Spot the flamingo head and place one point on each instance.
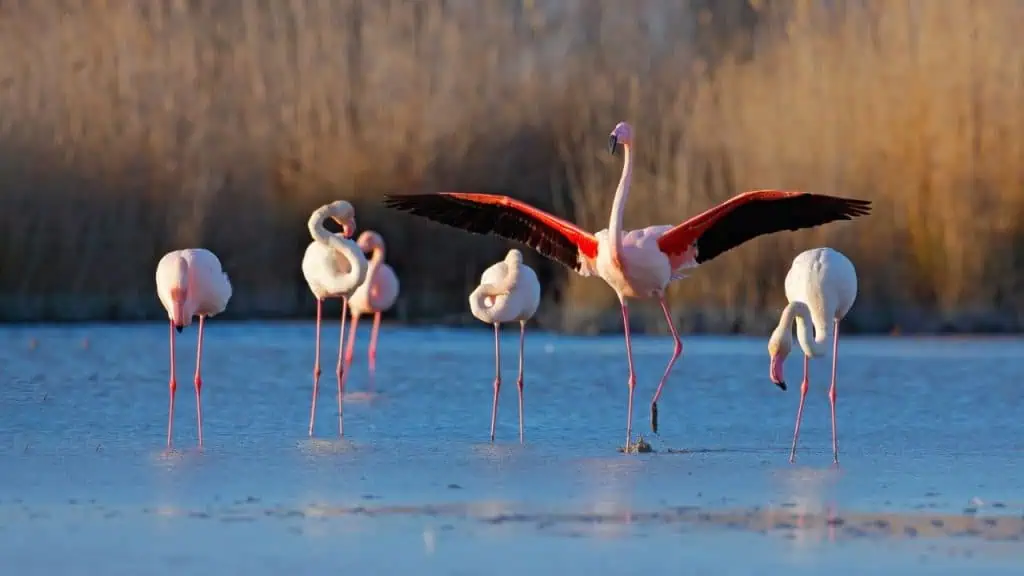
(779, 346)
(345, 215)
(622, 134)
(369, 241)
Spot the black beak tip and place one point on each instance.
(612, 143)
(781, 385)
(179, 328)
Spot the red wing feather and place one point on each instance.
(756, 213)
(505, 217)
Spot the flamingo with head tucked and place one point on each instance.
(375, 295)
(333, 266)
(190, 282)
(635, 263)
(508, 292)
(821, 286)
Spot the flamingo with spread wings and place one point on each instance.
(635, 263)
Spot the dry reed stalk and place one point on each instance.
(132, 128)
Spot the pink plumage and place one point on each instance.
(190, 282)
(377, 294)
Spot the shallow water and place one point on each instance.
(931, 439)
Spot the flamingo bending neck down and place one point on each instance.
(508, 292)
(635, 263)
(333, 267)
(190, 282)
(375, 295)
(821, 286)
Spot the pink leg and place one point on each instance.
(174, 388)
(519, 381)
(497, 376)
(341, 367)
(632, 374)
(316, 365)
(351, 348)
(676, 352)
(804, 385)
(199, 380)
(832, 391)
(373, 342)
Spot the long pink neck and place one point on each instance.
(619, 204)
(376, 259)
(377, 255)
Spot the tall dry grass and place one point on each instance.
(131, 128)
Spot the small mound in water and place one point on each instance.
(638, 447)
(360, 396)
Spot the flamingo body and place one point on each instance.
(375, 295)
(638, 263)
(517, 305)
(327, 272)
(821, 287)
(333, 266)
(198, 271)
(508, 292)
(826, 281)
(379, 290)
(190, 282)
(643, 270)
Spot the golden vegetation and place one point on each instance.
(131, 128)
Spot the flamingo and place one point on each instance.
(821, 286)
(333, 267)
(190, 282)
(637, 263)
(375, 295)
(508, 292)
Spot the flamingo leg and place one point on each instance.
(173, 389)
(832, 391)
(497, 376)
(519, 381)
(351, 346)
(341, 368)
(632, 373)
(372, 354)
(804, 385)
(199, 379)
(316, 365)
(350, 349)
(677, 350)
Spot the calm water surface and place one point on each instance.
(931, 439)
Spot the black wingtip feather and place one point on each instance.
(761, 217)
(489, 219)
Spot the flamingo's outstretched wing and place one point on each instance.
(752, 214)
(506, 217)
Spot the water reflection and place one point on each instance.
(807, 506)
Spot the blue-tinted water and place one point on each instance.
(931, 440)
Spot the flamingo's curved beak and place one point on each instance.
(178, 309)
(775, 372)
(613, 141)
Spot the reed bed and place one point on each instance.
(128, 129)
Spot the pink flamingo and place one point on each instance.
(508, 292)
(635, 263)
(821, 286)
(333, 266)
(189, 283)
(375, 295)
